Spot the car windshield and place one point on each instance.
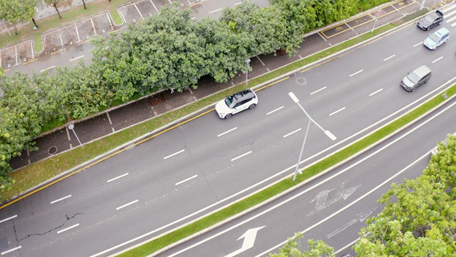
(435, 37)
(413, 77)
(229, 101)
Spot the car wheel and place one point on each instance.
(252, 106)
(428, 28)
(228, 116)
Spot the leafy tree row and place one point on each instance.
(164, 51)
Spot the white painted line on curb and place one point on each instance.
(181, 151)
(43, 70)
(387, 58)
(356, 73)
(125, 205)
(79, 57)
(226, 132)
(121, 176)
(10, 218)
(61, 199)
(273, 111)
(68, 228)
(341, 109)
(185, 180)
(291, 133)
(215, 10)
(316, 91)
(438, 59)
(371, 94)
(10, 250)
(240, 156)
(417, 44)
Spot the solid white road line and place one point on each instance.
(449, 8)
(10, 250)
(273, 111)
(454, 24)
(63, 198)
(451, 19)
(185, 180)
(43, 70)
(238, 3)
(63, 230)
(316, 91)
(387, 58)
(126, 174)
(348, 245)
(79, 57)
(10, 218)
(371, 94)
(215, 10)
(181, 151)
(420, 43)
(242, 155)
(438, 59)
(341, 109)
(356, 73)
(226, 132)
(291, 133)
(125, 205)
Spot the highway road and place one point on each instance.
(333, 207)
(207, 163)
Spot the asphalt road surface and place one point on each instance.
(207, 163)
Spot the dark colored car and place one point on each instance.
(431, 20)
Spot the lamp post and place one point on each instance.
(247, 61)
(71, 127)
(327, 132)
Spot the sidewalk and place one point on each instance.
(122, 117)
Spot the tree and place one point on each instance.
(293, 249)
(54, 4)
(15, 11)
(300, 15)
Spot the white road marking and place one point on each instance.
(356, 73)
(346, 246)
(181, 151)
(185, 180)
(93, 26)
(10, 250)
(226, 132)
(10, 218)
(438, 59)
(109, 20)
(109, 118)
(338, 230)
(316, 91)
(454, 24)
(47, 68)
(292, 132)
(77, 32)
(273, 111)
(341, 109)
(417, 44)
(387, 58)
(215, 10)
(291, 168)
(449, 14)
(140, 14)
(238, 3)
(242, 155)
(260, 60)
(449, 8)
(61, 199)
(121, 176)
(125, 205)
(61, 40)
(451, 19)
(68, 228)
(79, 57)
(322, 36)
(33, 54)
(192, 18)
(156, 9)
(15, 47)
(371, 94)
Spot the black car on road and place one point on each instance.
(431, 20)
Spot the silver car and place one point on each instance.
(437, 39)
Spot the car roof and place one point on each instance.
(442, 31)
(240, 96)
(423, 70)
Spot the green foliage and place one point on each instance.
(315, 249)
(418, 219)
(15, 11)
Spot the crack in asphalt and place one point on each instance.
(15, 235)
(41, 234)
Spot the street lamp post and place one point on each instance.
(247, 61)
(71, 127)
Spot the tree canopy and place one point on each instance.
(315, 249)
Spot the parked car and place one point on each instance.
(416, 78)
(431, 20)
(236, 103)
(437, 39)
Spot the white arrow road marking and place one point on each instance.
(249, 240)
(362, 216)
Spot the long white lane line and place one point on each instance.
(121, 176)
(61, 199)
(316, 91)
(438, 59)
(43, 70)
(273, 111)
(417, 44)
(68, 228)
(387, 58)
(292, 132)
(10, 218)
(226, 132)
(11, 250)
(341, 109)
(125, 205)
(185, 180)
(346, 246)
(215, 10)
(79, 57)
(269, 178)
(356, 73)
(171, 155)
(242, 155)
(371, 94)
